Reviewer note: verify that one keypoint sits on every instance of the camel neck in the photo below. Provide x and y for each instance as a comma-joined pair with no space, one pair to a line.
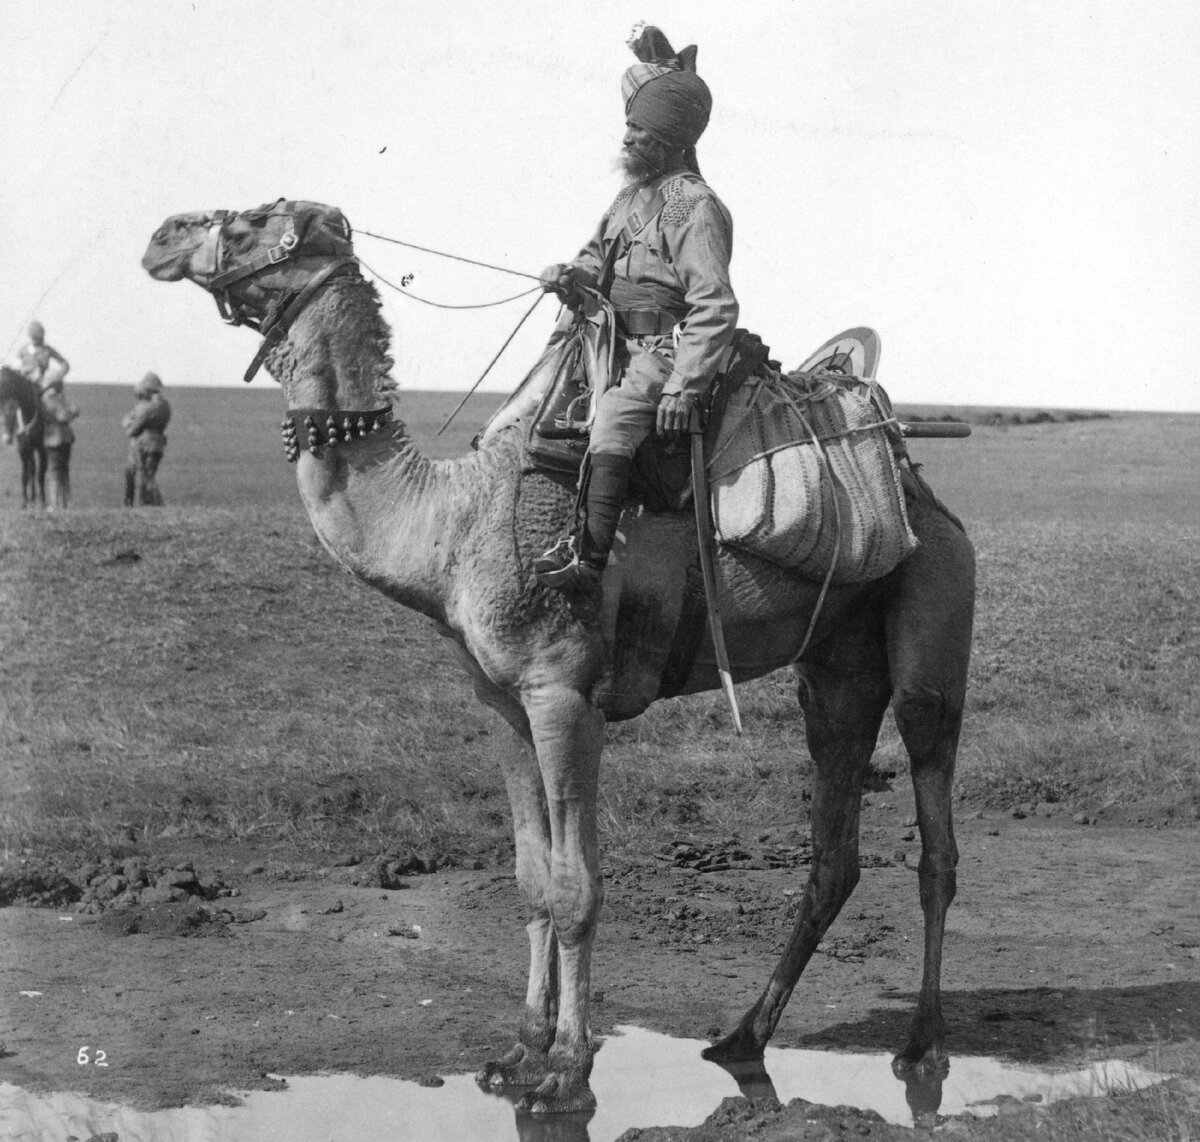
386,512
389,515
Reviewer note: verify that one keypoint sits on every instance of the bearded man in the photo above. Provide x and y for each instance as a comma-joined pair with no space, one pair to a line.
661,256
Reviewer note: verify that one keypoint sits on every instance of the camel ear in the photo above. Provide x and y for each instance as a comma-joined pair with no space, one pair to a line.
687,58
322,229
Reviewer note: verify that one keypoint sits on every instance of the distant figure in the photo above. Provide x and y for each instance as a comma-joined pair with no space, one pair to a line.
34,357
146,426
58,435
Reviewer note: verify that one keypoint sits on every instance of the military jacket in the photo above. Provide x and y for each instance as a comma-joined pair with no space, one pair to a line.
678,262
147,424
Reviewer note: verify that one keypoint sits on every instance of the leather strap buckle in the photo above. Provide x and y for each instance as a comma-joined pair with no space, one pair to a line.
287,243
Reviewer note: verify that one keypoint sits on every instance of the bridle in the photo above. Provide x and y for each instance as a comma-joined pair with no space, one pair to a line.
310,429
273,327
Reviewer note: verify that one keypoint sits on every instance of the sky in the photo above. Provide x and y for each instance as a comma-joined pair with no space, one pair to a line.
1008,192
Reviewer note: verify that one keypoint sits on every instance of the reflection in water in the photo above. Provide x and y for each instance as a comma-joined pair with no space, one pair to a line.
924,1097
549,1127
640,1079
752,1079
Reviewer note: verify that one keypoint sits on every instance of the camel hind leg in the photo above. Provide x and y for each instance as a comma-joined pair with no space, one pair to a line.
929,645
843,710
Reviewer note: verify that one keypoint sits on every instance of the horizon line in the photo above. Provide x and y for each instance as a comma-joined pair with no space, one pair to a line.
241,386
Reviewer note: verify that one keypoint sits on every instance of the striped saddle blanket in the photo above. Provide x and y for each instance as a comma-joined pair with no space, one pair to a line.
803,472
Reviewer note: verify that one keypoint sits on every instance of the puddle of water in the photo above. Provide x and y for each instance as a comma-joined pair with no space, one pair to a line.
640,1078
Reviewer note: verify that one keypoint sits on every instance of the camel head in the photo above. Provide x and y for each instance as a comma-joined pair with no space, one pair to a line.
248,260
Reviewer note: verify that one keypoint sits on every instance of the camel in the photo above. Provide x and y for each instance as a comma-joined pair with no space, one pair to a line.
454,540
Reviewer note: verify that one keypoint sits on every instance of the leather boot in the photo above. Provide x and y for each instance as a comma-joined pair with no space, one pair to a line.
579,560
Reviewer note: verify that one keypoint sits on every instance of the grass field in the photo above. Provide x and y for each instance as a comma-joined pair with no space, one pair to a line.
203,674
206,668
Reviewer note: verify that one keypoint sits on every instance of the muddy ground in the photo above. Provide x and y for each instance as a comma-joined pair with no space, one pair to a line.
1067,942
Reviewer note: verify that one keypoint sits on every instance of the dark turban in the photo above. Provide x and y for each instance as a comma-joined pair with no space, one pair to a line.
663,94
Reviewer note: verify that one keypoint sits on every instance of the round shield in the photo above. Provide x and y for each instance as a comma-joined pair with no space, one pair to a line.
854,353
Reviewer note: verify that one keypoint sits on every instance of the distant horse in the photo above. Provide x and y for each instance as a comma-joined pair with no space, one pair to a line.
21,415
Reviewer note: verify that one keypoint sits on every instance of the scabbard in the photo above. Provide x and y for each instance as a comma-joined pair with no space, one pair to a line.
704,538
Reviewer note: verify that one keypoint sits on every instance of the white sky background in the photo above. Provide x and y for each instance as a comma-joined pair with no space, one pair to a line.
1009,192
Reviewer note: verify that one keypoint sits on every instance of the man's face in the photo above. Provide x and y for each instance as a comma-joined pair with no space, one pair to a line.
642,156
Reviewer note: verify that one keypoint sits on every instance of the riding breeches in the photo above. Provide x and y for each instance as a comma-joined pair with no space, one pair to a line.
141,477
625,413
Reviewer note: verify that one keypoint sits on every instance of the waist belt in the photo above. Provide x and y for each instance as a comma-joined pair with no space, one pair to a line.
645,322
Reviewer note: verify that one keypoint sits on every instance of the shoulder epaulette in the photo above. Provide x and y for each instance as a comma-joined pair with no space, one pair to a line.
682,196
624,193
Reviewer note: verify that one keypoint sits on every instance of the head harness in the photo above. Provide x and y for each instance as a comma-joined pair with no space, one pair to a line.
311,234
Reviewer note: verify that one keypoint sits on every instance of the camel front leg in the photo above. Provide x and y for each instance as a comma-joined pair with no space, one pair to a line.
526,1064
568,734
842,715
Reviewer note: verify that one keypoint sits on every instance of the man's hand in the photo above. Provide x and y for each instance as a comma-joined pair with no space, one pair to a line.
675,414
559,279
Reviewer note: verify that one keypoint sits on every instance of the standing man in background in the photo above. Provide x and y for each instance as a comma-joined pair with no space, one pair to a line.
146,426
58,435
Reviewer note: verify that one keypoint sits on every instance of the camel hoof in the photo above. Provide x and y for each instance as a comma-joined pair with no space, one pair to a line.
550,1098
520,1066
738,1046
931,1065
488,1076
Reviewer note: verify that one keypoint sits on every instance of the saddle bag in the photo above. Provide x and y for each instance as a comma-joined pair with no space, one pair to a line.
556,399
803,472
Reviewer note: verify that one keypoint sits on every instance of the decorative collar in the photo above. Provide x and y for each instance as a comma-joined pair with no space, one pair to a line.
327,427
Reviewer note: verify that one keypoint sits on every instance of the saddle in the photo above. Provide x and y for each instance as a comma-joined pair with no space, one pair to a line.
803,468
556,401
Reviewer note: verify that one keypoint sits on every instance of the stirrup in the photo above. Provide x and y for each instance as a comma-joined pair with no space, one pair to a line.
561,567
556,566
